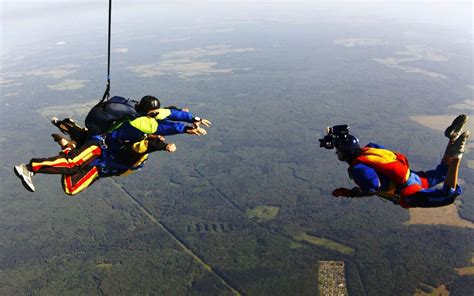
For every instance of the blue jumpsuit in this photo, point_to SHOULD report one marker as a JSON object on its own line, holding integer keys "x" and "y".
{"x": 128, "y": 133}
{"x": 430, "y": 196}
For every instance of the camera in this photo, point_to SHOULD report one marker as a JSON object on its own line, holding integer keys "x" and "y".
{"x": 333, "y": 134}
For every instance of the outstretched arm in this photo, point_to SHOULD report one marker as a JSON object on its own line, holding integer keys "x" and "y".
{"x": 180, "y": 115}
{"x": 354, "y": 192}
{"x": 183, "y": 115}
{"x": 168, "y": 128}
{"x": 157, "y": 143}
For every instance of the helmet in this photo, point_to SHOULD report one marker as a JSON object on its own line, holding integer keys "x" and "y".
{"x": 347, "y": 144}
{"x": 146, "y": 104}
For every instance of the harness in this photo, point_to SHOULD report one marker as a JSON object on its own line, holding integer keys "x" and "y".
{"x": 107, "y": 166}
{"x": 394, "y": 166}
{"x": 112, "y": 140}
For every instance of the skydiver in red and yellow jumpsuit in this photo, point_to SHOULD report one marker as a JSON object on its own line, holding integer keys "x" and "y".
{"x": 379, "y": 171}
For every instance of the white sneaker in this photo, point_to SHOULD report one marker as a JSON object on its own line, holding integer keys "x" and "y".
{"x": 22, "y": 172}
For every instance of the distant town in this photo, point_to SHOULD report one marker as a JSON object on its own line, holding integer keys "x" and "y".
{"x": 332, "y": 279}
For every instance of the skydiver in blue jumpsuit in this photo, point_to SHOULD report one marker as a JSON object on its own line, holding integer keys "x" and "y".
{"x": 126, "y": 147}
{"x": 378, "y": 171}
{"x": 155, "y": 121}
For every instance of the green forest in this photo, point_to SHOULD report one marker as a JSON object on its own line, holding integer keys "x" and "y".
{"x": 246, "y": 209}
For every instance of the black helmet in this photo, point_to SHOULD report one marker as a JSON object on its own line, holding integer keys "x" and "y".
{"x": 146, "y": 104}
{"x": 347, "y": 144}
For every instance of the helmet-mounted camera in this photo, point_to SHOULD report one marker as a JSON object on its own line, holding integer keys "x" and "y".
{"x": 334, "y": 134}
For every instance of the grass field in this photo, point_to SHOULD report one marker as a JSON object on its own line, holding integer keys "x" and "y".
{"x": 438, "y": 291}
{"x": 262, "y": 213}
{"x": 74, "y": 111}
{"x": 440, "y": 122}
{"x": 104, "y": 265}
{"x": 465, "y": 270}
{"x": 325, "y": 243}
{"x": 447, "y": 215}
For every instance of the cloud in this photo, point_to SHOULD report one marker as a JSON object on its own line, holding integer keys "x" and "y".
{"x": 68, "y": 84}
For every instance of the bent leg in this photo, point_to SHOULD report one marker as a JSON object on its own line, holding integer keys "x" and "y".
{"x": 70, "y": 127}
{"x": 436, "y": 176}
{"x": 432, "y": 198}
{"x": 76, "y": 183}
{"x": 453, "y": 172}
{"x": 66, "y": 164}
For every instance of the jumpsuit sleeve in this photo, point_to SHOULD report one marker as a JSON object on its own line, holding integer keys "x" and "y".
{"x": 168, "y": 128}
{"x": 366, "y": 178}
{"x": 156, "y": 145}
{"x": 179, "y": 115}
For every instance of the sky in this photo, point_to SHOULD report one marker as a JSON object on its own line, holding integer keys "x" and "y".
{"x": 34, "y": 20}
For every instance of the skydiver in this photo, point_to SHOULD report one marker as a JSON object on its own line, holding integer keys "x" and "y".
{"x": 156, "y": 120}
{"x": 385, "y": 173}
{"x": 81, "y": 166}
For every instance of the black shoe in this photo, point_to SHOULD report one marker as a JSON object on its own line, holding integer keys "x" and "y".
{"x": 454, "y": 130}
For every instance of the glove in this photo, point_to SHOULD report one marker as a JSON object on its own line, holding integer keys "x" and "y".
{"x": 341, "y": 192}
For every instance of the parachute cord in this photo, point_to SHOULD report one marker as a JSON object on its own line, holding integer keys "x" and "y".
{"x": 107, "y": 86}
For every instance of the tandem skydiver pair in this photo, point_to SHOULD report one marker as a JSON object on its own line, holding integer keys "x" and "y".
{"x": 136, "y": 129}
{"x": 385, "y": 173}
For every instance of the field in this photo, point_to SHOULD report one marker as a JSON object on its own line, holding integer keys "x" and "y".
{"x": 447, "y": 215}
{"x": 427, "y": 290}
{"x": 262, "y": 213}
{"x": 465, "y": 270}
{"x": 324, "y": 243}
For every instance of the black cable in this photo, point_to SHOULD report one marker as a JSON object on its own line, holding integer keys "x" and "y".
{"x": 107, "y": 87}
